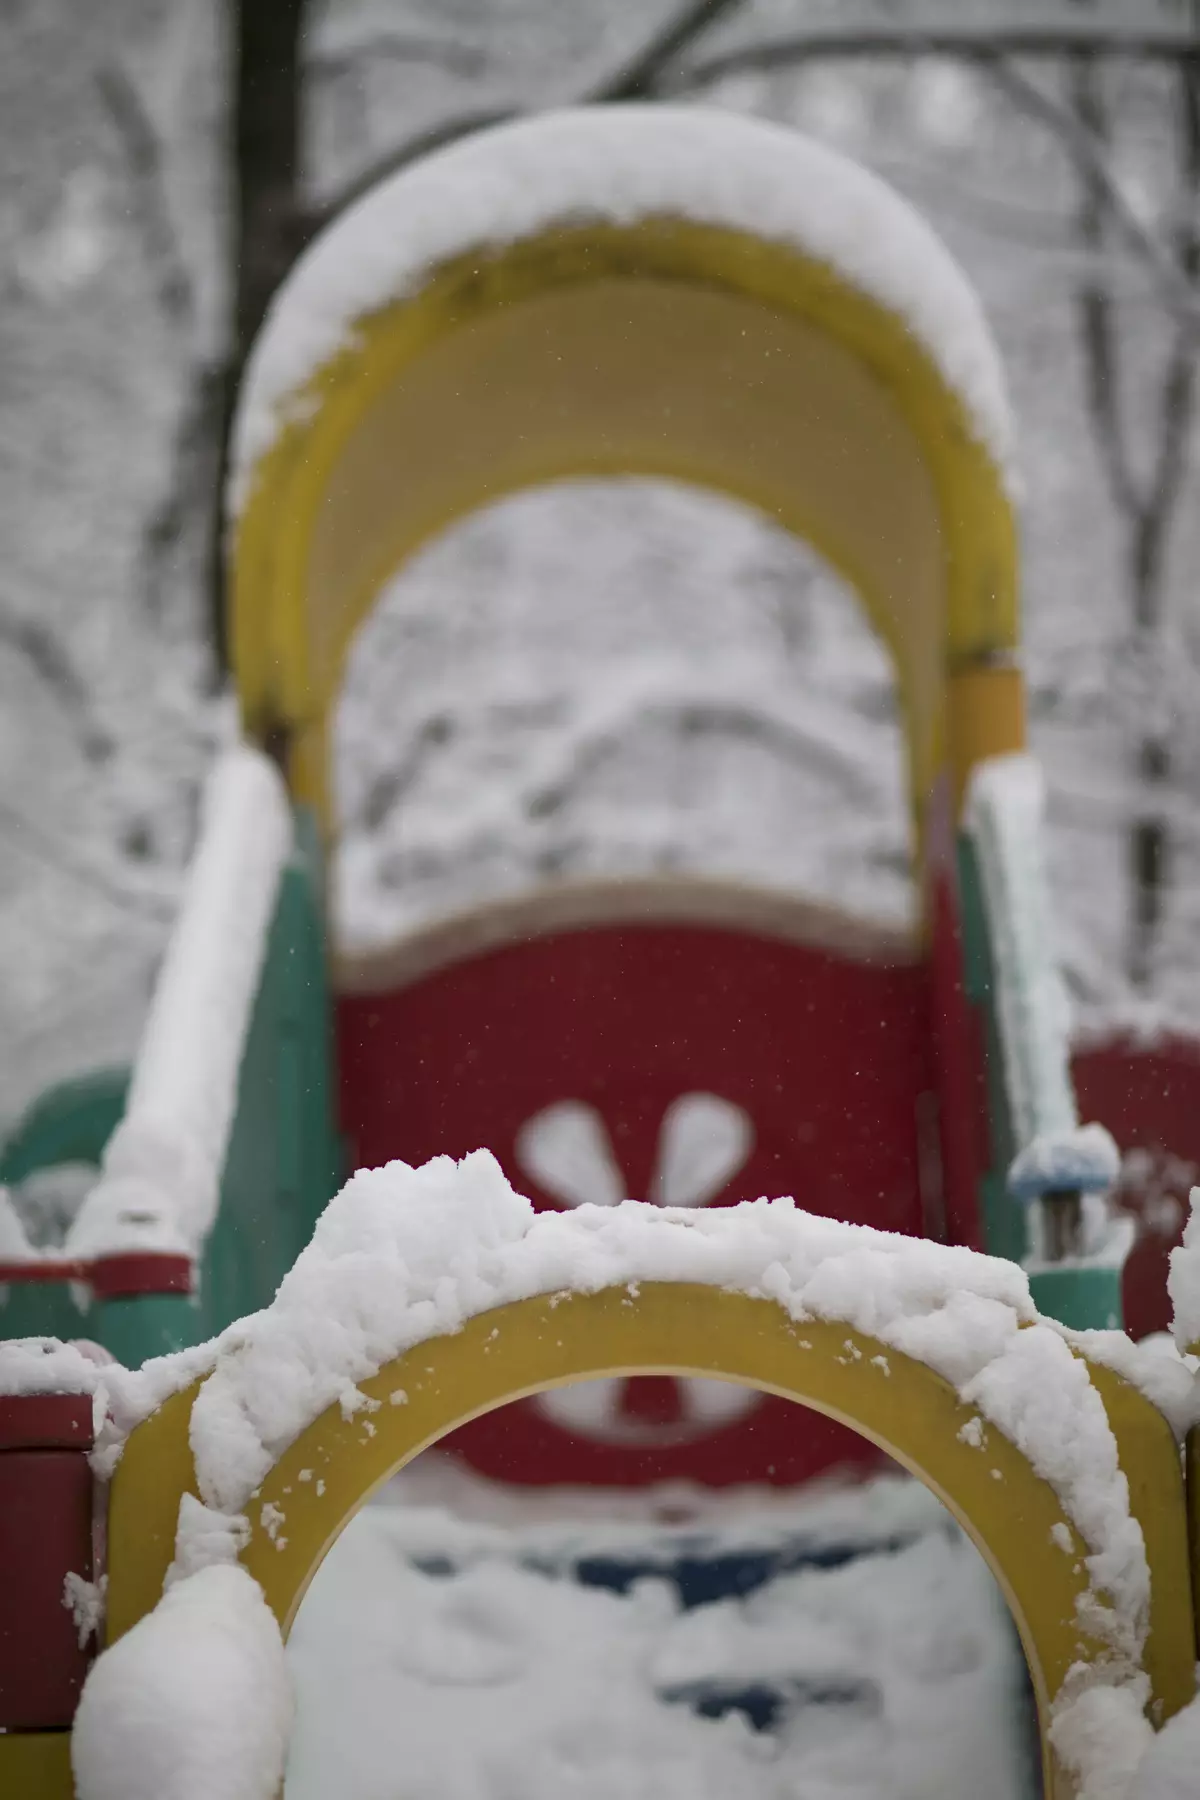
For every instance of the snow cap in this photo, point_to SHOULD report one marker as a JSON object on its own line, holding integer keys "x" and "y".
{"x": 618, "y": 164}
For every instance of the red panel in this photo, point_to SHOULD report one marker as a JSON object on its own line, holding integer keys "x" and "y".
{"x": 140, "y": 1272}
{"x": 830, "y": 1058}
{"x": 45, "y": 1421}
{"x": 45, "y": 1533}
{"x": 110, "y": 1277}
{"x": 1149, "y": 1098}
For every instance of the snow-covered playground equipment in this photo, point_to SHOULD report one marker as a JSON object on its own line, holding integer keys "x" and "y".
{"x": 657, "y": 292}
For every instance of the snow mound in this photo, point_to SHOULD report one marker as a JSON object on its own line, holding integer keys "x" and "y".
{"x": 193, "y": 1704}
{"x": 896, "y": 1674}
{"x": 403, "y": 1255}
{"x": 619, "y": 164}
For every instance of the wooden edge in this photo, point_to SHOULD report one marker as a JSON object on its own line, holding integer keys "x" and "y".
{"x": 653, "y": 900}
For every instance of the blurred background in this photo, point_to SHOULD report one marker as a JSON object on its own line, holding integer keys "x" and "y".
{"x": 601, "y": 677}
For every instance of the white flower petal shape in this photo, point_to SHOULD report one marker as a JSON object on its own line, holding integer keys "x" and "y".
{"x": 566, "y": 1149}
{"x": 704, "y": 1142}
{"x": 600, "y": 1411}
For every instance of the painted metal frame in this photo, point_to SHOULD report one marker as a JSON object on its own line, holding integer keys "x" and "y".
{"x": 1011, "y": 1513}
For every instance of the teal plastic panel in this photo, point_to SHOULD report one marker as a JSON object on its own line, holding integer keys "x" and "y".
{"x": 1087, "y": 1299}
{"x": 70, "y": 1123}
{"x": 283, "y": 1162}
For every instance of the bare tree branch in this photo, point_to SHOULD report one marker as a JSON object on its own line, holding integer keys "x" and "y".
{"x": 636, "y": 77}
{"x": 979, "y": 38}
{"x": 991, "y": 48}
{"x": 142, "y": 148}
{"x": 1101, "y": 375}
{"x": 1087, "y": 151}
{"x": 53, "y": 853}
{"x": 193, "y": 474}
{"x": 652, "y": 64}
{"x": 53, "y": 663}
{"x": 696, "y": 716}
{"x": 456, "y": 58}
{"x": 410, "y": 150}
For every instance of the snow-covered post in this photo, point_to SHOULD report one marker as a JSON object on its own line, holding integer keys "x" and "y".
{"x": 1058, "y": 1163}
{"x": 161, "y": 1172}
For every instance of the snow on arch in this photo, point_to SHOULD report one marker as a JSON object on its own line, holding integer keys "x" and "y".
{"x": 406, "y": 1256}
{"x": 619, "y": 164}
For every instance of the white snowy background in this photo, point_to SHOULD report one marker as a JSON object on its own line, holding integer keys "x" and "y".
{"x": 690, "y": 688}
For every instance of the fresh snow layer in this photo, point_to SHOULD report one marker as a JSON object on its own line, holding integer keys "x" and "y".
{"x": 403, "y": 1255}
{"x": 1086, "y": 1159}
{"x": 1183, "y": 1281}
{"x": 161, "y": 1172}
{"x": 618, "y": 164}
{"x": 470, "y": 1658}
{"x": 1004, "y": 815}
{"x": 193, "y": 1704}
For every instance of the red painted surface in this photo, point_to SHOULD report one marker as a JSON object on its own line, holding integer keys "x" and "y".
{"x": 110, "y": 1277}
{"x": 830, "y": 1057}
{"x": 140, "y": 1272}
{"x": 45, "y": 1422}
{"x": 1149, "y": 1098}
{"x": 960, "y": 1073}
{"x": 45, "y": 1533}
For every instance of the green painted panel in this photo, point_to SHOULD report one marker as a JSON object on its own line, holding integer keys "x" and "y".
{"x": 283, "y": 1162}
{"x": 1088, "y": 1299}
{"x": 70, "y": 1123}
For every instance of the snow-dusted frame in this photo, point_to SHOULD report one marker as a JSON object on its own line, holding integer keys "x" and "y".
{"x": 430, "y": 1296}
{"x": 628, "y": 290}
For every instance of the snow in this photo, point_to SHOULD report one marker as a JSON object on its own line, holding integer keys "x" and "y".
{"x": 14, "y": 1243}
{"x": 1101, "y": 1734}
{"x": 490, "y": 737}
{"x": 1183, "y": 1281}
{"x": 1153, "y": 1365}
{"x": 898, "y": 1673}
{"x": 194, "y": 1703}
{"x": 404, "y": 1254}
{"x": 1168, "y": 1768}
{"x": 84, "y": 1600}
{"x": 1004, "y": 813}
{"x": 1085, "y": 1159}
{"x": 619, "y": 164}
{"x": 161, "y": 1171}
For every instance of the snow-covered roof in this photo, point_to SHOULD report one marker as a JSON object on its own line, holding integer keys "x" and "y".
{"x": 619, "y": 164}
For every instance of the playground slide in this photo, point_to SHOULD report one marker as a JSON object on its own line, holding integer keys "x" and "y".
{"x": 573, "y": 295}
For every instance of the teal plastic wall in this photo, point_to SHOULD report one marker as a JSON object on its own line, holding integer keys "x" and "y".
{"x": 282, "y": 1166}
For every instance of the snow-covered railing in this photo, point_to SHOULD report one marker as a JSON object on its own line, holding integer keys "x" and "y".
{"x": 1054, "y": 1155}
{"x": 160, "y": 1178}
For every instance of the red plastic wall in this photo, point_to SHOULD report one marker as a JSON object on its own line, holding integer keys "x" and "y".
{"x": 1149, "y": 1098}
{"x": 45, "y": 1534}
{"x": 829, "y": 1056}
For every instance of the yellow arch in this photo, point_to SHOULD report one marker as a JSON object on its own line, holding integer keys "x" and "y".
{"x": 1012, "y": 1514}
{"x": 665, "y": 347}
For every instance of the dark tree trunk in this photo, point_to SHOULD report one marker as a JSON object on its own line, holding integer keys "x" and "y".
{"x": 265, "y": 47}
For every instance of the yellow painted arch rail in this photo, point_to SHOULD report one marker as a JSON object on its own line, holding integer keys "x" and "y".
{"x": 522, "y": 1348}
{"x": 665, "y": 346}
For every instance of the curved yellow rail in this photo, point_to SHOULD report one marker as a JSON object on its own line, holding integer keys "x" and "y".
{"x": 663, "y": 347}
{"x": 321, "y": 1480}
